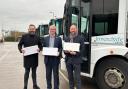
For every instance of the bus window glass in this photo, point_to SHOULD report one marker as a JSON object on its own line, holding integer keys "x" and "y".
{"x": 100, "y": 26}
{"x": 75, "y": 11}
{"x": 83, "y": 25}
{"x": 57, "y": 28}
{"x": 105, "y": 17}
{"x": 85, "y": 15}
{"x": 46, "y": 29}
{"x": 85, "y": 10}
{"x": 71, "y": 13}
{"x": 41, "y": 31}
{"x": 75, "y": 19}
{"x": 75, "y": 3}
{"x": 60, "y": 26}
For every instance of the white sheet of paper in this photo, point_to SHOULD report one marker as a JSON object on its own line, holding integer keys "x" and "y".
{"x": 49, "y": 51}
{"x": 71, "y": 46}
{"x": 30, "y": 50}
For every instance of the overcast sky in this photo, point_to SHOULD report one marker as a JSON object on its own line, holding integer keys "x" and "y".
{"x": 18, "y": 14}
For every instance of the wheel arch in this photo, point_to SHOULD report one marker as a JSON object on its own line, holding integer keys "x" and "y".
{"x": 106, "y": 58}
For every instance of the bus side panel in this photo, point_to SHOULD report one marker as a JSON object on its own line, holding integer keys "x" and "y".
{"x": 100, "y": 51}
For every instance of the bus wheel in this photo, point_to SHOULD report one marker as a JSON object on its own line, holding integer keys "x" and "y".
{"x": 112, "y": 74}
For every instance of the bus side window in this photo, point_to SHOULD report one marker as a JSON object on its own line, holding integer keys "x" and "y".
{"x": 104, "y": 19}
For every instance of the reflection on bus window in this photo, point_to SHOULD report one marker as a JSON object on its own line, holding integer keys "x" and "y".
{"x": 75, "y": 19}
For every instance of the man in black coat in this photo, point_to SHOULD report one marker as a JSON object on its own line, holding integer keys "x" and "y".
{"x": 73, "y": 59}
{"x": 30, "y": 61}
{"x": 52, "y": 62}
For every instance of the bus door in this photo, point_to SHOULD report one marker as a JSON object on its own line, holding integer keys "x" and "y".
{"x": 81, "y": 16}
{"x": 85, "y": 31}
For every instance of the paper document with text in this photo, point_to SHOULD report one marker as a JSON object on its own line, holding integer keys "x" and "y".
{"x": 49, "y": 51}
{"x": 30, "y": 50}
{"x": 71, "y": 46}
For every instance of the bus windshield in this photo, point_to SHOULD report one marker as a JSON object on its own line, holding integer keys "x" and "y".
{"x": 78, "y": 12}
{"x": 84, "y": 10}
{"x": 75, "y": 11}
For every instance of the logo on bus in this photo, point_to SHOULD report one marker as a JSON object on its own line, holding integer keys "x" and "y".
{"x": 110, "y": 40}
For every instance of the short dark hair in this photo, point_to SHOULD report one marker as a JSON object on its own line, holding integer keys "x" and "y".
{"x": 32, "y": 25}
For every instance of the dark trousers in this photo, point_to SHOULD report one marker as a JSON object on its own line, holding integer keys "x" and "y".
{"x": 55, "y": 69}
{"x": 26, "y": 76}
{"x": 76, "y": 68}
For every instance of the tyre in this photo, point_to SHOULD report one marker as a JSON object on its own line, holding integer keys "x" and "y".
{"x": 112, "y": 74}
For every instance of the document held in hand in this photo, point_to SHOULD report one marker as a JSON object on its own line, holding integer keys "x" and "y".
{"x": 71, "y": 46}
{"x": 30, "y": 50}
{"x": 49, "y": 51}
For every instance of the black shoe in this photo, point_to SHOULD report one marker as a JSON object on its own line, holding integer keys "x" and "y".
{"x": 25, "y": 87}
{"x": 36, "y": 87}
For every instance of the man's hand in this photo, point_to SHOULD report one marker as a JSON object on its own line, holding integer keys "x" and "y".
{"x": 72, "y": 53}
{"x": 58, "y": 54}
{"x": 38, "y": 50}
{"x": 23, "y": 51}
{"x": 66, "y": 51}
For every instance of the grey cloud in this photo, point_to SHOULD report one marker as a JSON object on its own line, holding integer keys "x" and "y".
{"x": 19, "y": 13}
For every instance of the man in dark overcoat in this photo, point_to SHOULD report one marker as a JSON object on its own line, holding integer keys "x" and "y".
{"x": 73, "y": 59}
{"x": 30, "y": 61}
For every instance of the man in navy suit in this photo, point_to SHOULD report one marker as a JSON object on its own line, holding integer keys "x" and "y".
{"x": 52, "y": 62}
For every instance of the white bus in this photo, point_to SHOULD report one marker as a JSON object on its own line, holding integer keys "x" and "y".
{"x": 1, "y": 38}
{"x": 104, "y": 24}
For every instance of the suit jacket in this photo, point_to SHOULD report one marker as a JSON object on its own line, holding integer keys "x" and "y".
{"x": 75, "y": 59}
{"x": 57, "y": 44}
{"x": 26, "y": 41}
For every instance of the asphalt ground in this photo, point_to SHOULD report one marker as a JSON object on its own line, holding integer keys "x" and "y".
{"x": 12, "y": 71}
